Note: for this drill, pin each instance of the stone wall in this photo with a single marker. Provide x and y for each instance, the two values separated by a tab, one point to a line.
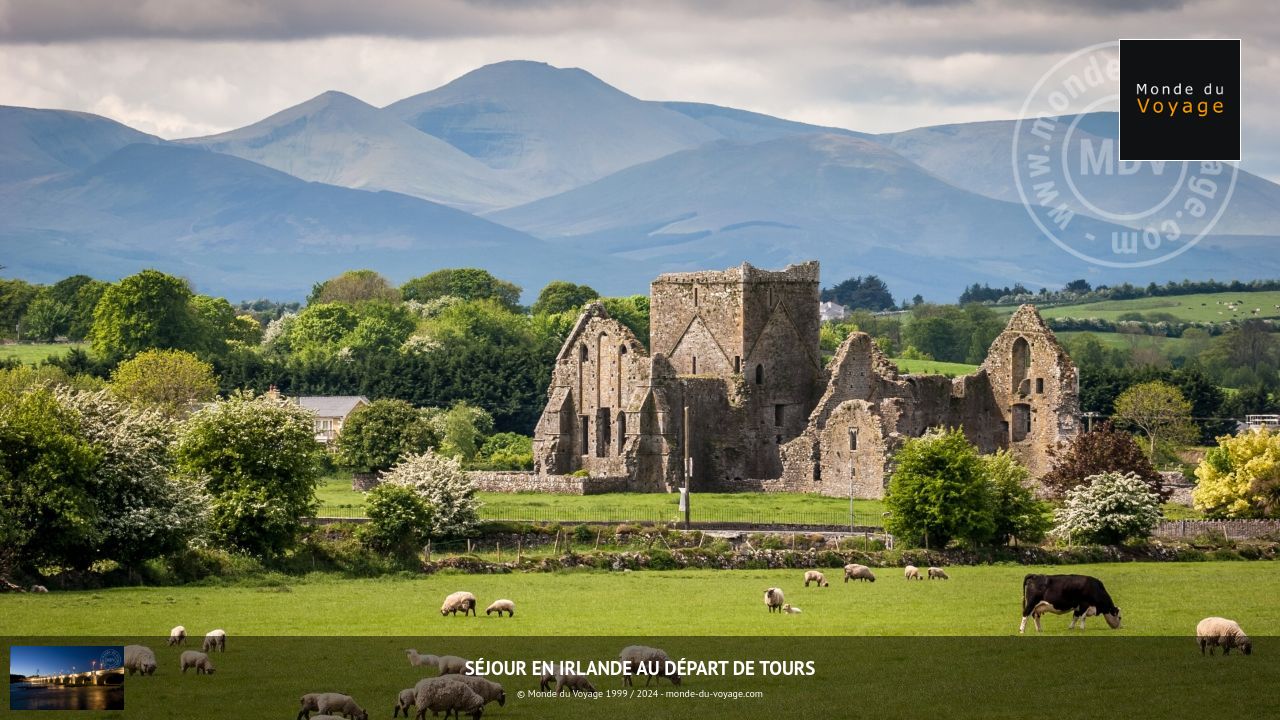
530	481
1231	529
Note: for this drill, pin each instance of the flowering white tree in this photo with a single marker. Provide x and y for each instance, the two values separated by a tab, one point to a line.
444	487
1109	509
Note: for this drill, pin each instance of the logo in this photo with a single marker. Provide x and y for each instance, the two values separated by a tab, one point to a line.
1082	196
110	659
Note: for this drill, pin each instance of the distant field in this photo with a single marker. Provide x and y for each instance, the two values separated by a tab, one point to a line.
1124	341
1205	307
32	353
933	367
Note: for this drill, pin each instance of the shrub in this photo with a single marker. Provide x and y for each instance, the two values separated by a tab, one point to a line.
400	520
939	492
1016	511
506	451
446	491
169	380
376	436
1105	449
1112	508
1241	477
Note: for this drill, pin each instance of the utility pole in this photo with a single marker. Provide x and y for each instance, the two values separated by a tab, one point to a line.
688	468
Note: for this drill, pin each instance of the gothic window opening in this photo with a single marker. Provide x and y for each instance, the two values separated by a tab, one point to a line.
759	374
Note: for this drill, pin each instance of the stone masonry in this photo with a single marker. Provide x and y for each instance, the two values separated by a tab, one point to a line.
737	352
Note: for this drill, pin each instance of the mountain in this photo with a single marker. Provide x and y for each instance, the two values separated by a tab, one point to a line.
746	126
549	129
39	143
244	230
335	138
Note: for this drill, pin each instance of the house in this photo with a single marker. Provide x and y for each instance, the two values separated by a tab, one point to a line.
331	412
828	311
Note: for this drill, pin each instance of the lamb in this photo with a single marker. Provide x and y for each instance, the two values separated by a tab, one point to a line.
773	599
197	660
215	639
791	609
177	636
858	572
937	573
1213	632
405	701
501	606
652	662
911	572
484	687
459	601
416	659
331	703
815	576
447	694
139	659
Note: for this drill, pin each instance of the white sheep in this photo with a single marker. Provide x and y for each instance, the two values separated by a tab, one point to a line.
460	601
938	574
404	701
911	572
197	660
177	636
452	665
39	589
649	661
484	687
415	658
447	694
574	684
331	703
858	572
501	606
139	659
215	640
791	609
1213	632
773	599
815	576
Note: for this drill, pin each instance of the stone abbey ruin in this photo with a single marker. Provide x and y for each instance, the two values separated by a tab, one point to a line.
736	352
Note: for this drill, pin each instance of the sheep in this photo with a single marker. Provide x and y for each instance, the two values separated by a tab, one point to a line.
331	703
575	684
452	665
858	572
937	573
911	572
459	601
791	609
652	662
177	636
215	639
447	694
39	589
197	660
484	687
417	659
501	606
817	577
1213	632
773	599
405	701
139	659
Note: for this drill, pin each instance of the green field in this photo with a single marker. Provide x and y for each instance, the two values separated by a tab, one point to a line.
1204	307
1168	346
934	367
33	353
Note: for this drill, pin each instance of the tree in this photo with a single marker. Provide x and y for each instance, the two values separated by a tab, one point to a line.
632	311
1016	511
506	451
462	430
869	293
1240	478
939	491
377	435
1111	509
560	296
46	318
1078	286
15	296
1159	411
353	287
320	328
144	311
1104	449
446	491
464	283
400	520
172	381
258	460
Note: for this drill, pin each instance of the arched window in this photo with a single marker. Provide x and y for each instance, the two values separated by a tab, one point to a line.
759	374
622	431
622	349
582	353
1020	363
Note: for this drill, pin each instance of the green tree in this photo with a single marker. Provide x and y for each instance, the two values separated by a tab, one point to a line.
447	492
867	293
560	296
1104	449
464	283
353	287
15	296
258	460
215	322
1159	412
1240	478
1017	513
939	492
632	311
400	520
320	328
462	430
46	317
377	435
506	451
144	311
1109	510
171	381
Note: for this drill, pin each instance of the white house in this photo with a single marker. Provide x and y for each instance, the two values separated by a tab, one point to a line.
331	412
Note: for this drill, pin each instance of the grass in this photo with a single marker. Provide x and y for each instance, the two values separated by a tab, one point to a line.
33	353
1168	346
934	367
1203	307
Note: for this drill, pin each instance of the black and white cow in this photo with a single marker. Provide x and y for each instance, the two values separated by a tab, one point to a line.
1080	595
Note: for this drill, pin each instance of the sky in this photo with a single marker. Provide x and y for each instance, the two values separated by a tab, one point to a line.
47	659
179	68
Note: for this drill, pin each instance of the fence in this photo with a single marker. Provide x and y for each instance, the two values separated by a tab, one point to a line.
1230	529
826	519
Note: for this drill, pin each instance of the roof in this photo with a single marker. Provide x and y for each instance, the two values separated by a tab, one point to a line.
338	406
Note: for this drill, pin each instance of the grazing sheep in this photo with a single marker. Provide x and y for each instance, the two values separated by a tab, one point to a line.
197	660
937	573
575	684
447	694
139	659
911	572
405	701
215	639
39	589
484	687
1213	632
417	659
177	636
460	601
452	665
858	572
331	703
501	606
648	661
815	576
773	599
791	609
